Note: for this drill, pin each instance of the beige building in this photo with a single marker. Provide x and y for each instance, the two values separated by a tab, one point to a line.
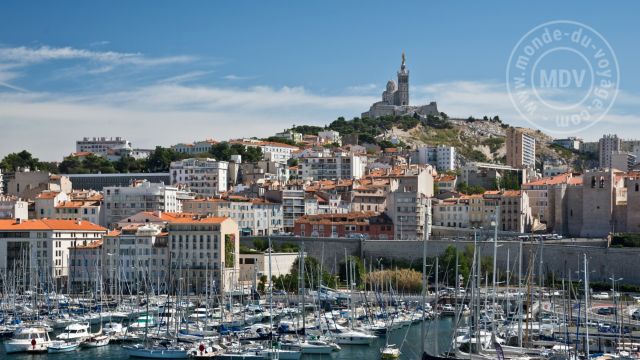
28	184
255	265
542	198
521	149
205	248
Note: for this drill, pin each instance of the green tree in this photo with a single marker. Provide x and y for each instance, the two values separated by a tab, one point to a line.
161	158
312	272
23	159
447	264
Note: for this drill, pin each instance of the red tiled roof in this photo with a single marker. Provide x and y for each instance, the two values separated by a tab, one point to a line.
49	224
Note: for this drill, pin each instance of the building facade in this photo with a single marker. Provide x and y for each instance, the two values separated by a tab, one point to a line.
121	202
102	145
607	146
521	149
40	248
206	177
365	225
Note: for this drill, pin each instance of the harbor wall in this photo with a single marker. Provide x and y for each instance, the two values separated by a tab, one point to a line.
559	258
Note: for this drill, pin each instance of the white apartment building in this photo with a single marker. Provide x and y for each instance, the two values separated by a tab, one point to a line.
323	166
194	148
254	216
102	145
206	177
121	202
452	213
442	157
271	151
329	137
12	207
41	247
85	205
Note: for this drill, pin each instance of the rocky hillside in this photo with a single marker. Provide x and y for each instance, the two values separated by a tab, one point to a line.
480	140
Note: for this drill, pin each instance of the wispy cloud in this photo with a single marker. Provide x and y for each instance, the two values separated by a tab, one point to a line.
182	78
29	55
364	89
234	77
100	43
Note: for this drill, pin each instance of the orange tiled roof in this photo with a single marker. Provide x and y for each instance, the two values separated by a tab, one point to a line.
49	224
48	195
554	180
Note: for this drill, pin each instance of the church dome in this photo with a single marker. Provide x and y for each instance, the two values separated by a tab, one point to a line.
391	86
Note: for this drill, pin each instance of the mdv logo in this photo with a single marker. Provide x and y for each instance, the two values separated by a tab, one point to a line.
562	78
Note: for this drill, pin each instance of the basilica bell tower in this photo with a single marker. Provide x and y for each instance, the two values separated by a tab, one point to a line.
402	95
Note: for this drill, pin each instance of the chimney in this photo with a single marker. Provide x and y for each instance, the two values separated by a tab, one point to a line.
18	221
79	221
159	214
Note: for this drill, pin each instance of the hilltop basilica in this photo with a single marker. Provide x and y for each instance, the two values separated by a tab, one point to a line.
395	100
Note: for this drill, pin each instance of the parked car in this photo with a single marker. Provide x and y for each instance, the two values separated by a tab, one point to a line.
636	315
606	311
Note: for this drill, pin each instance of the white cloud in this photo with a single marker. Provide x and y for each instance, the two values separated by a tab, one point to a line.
364	89
161	114
27	55
234	77
190	76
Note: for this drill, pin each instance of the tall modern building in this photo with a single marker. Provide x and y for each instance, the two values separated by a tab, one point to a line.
607	146
521	149
443	157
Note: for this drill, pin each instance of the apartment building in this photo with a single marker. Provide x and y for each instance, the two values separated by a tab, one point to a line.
40	247
521	149
607	146
327	166
194	148
254	216
12	207
205	249
443	157
365	225
102	145
121	202
203	176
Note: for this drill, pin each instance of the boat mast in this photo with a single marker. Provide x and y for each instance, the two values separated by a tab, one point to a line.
424	278
586	303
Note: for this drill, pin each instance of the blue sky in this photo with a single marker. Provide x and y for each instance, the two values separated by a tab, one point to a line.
161	72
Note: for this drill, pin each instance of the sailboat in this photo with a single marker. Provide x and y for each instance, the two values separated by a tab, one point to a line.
161	351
